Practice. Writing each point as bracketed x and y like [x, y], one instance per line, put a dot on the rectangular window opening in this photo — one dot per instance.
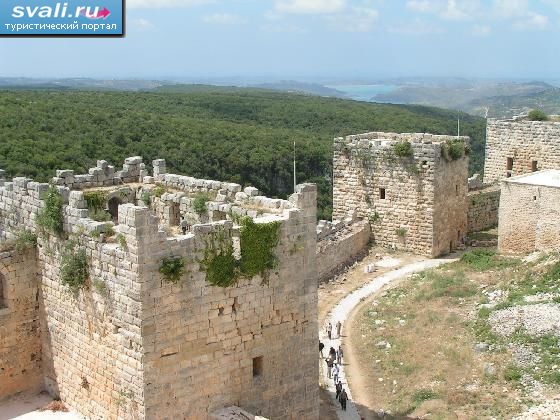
[382, 193]
[534, 166]
[257, 366]
[510, 164]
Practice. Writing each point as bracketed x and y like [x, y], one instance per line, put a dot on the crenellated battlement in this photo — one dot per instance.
[179, 287]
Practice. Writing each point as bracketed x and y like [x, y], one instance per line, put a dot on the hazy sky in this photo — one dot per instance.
[291, 38]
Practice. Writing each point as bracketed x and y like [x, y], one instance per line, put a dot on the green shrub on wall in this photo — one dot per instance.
[454, 150]
[222, 269]
[403, 149]
[172, 269]
[258, 242]
[25, 239]
[537, 115]
[199, 203]
[95, 200]
[50, 218]
[74, 267]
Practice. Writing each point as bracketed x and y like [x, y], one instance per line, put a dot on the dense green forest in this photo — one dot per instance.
[239, 135]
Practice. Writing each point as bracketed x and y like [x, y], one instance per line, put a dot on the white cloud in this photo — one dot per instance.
[534, 21]
[481, 30]
[340, 15]
[355, 19]
[421, 5]
[459, 10]
[142, 24]
[507, 9]
[224, 19]
[160, 4]
[310, 6]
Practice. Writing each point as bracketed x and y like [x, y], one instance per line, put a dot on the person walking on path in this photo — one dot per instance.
[321, 347]
[338, 328]
[329, 367]
[338, 389]
[329, 331]
[332, 354]
[343, 398]
[339, 355]
[335, 372]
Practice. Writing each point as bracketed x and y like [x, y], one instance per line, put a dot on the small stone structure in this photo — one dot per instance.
[483, 205]
[412, 188]
[130, 343]
[529, 213]
[519, 146]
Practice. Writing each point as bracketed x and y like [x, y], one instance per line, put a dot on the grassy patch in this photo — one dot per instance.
[453, 284]
[513, 373]
[535, 283]
[422, 395]
[483, 260]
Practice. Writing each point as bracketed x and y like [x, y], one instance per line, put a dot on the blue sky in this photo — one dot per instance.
[308, 38]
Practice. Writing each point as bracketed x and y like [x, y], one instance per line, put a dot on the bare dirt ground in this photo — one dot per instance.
[330, 293]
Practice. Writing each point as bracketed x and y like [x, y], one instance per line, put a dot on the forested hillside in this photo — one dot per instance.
[240, 135]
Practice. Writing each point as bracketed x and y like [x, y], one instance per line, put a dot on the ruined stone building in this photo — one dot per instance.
[412, 188]
[190, 296]
[519, 146]
[530, 213]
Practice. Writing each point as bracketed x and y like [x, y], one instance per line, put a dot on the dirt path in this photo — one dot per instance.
[341, 312]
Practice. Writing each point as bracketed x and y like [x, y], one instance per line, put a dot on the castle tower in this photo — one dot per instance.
[411, 187]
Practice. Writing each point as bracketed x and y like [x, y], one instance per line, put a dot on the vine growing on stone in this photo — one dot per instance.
[257, 242]
[50, 217]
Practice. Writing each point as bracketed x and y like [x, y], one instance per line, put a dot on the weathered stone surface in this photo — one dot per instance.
[529, 208]
[415, 203]
[528, 145]
[483, 205]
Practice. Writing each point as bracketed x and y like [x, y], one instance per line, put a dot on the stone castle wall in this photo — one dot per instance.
[20, 345]
[128, 345]
[414, 203]
[341, 248]
[526, 143]
[200, 341]
[483, 208]
[528, 218]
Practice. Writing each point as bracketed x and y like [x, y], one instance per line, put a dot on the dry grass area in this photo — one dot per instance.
[426, 347]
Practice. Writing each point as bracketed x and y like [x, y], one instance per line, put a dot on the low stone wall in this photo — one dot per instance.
[483, 208]
[20, 345]
[342, 248]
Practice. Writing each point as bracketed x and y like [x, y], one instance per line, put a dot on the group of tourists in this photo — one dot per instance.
[334, 361]
[330, 328]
